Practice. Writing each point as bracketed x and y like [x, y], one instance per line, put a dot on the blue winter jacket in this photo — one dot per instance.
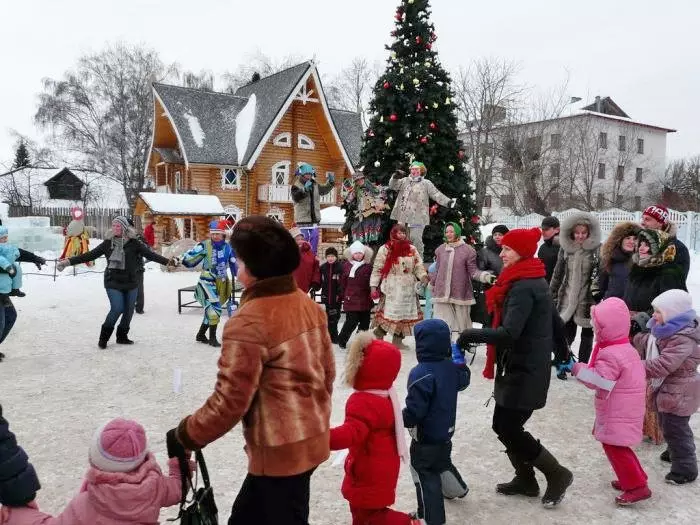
[431, 403]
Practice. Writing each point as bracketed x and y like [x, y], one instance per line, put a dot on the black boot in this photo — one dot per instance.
[558, 478]
[584, 349]
[122, 338]
[212, 336]
[105, 334]
[523, 484]
[202, 334]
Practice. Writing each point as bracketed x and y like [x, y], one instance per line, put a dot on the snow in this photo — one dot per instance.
[244, 126]
[195, 129]
[57, 387]
[182, 204]
[332, 216]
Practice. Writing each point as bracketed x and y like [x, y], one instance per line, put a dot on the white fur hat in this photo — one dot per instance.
[673, 303]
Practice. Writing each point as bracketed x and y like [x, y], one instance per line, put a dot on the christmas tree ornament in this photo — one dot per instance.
[406, 42]
[393, 55]
[381, 119]
[427, 63]
[388, 140]
[416, 81]
[460, 154]
[370, 133]
[424, 139]
[419, 107]
[435, 105]
[401, 71]
[433, 125]
[410, 1]
[452, 167]
[447, 101]
[393, 117]
[387, 85]
[428, 46]
[377, 163]
[433, 37]
[401, 87]
[419, 40]
[475, 219]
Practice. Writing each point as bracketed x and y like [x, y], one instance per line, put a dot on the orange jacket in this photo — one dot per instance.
[276, 373]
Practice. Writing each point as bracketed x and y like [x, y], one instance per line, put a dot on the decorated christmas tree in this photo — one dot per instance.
[414, 119]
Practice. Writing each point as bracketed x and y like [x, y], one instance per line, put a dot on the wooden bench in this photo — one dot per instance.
[194, 303]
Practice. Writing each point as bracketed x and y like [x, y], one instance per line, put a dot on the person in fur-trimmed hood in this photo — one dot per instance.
[573, 275]
[373, 432]
[354, 286]
[659, 218]
[615, 261]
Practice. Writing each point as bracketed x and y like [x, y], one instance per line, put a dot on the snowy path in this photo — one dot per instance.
[57, 387]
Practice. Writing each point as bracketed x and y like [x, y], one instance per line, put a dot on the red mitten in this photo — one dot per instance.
[490, 364]
[375, 295]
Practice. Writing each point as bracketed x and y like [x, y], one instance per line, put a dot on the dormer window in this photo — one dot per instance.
[304, 142]
[283, 140]
[231, 179]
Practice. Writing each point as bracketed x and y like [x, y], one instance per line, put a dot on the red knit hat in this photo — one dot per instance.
[658, 212]
[523, 241]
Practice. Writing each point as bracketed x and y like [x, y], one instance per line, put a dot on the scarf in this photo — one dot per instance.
[530, 268]
[652, 352]
[672, 326]
[398, 420]
[117, 259]
[604, 344]
[355, 266]
[396, 249]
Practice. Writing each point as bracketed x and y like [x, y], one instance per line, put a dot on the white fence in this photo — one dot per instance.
[283, 193]
[688, 223]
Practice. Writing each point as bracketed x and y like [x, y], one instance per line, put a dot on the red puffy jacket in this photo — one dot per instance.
[372, 465]
[308, 273]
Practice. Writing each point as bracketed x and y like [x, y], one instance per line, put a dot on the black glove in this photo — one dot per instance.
[175, 448]
[39, 261]
[639, 323]
[597, 297]
[464, 340]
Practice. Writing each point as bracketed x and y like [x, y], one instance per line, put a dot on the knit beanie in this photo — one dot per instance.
[500, 228]
[305, 169]
[658, 212]
[357, 247]
[673, 303]
[123, 221]
[118, 446]
[523, 241]
[331, 251]
[18, 481]
[266, 248]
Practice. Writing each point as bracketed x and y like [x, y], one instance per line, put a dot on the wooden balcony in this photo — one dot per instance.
[283, 193]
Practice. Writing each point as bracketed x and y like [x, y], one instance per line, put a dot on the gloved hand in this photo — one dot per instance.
[458, 355]
[39, 261]
[453, 202]
[639, 323]
[11, 271]
[307, 185]
[62, 264]
[175, 448]
[375, 294]
[420, 289]
[491, 278]
[175, 261]
[464, 339]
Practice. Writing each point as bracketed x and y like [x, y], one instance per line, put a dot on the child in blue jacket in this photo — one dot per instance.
[430, 415]
[11, 271]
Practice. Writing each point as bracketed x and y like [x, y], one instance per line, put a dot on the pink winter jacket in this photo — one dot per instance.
[108, 498]
[619, 411]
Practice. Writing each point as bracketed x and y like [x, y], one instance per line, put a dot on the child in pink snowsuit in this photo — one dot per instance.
[124, 484]
[617, 374]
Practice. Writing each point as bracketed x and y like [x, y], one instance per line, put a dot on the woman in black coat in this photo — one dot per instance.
[615, 261]
[124, 253]
[520, 344]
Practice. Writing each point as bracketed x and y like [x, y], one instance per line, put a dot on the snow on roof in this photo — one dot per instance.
[195, 129]
[182, 204]
[244, 126]
[332, 216]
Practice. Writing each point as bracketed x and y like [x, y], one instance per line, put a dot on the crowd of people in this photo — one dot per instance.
[638, 350]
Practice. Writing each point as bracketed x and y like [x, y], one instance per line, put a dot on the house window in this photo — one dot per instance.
[620, 173]
[487, 201]
[601, 170]
[555, 172]
[640, 145]
[232, 215]
[304, 142]
[623, 143]
[279, 174]
[556, 140]
[600, 198]
[603, 140]
[178, 180]
[283, 140]
[507, 201]
[230, 179]
[277, 214]
[639, 177]
[637, 203]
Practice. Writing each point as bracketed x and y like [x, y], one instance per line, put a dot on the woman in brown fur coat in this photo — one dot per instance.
[615, 261]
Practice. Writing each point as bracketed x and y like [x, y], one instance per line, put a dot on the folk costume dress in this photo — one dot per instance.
[366, 203]
[77, 238]
[214, 288]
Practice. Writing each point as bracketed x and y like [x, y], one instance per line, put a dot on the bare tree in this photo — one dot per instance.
[256, 63]
[19, 187]
[204, 80]
[351, 89]
[102, 111]
[679, 187]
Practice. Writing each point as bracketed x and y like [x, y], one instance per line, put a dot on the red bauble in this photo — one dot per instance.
[475, 219]
[393, 117]
[419, 107]
[387, 85]
[428, 46]
[433, 209]
[418, 39]
[424, 140]
[433, 37]
[433, 125]
[370, 133]
[460, 154]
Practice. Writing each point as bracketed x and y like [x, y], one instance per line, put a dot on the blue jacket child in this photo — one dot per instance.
[10, 270]
[430, 416]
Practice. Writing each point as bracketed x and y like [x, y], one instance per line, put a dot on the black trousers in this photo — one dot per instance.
[508, 424]
[586, 345]
[352, 320]
[435, 478]
[333, 316]
[267, 500]
[139, 297]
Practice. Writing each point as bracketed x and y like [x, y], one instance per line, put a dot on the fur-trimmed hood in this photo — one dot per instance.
[573, 220]
[368, 254]
[371, 364]
[671, 228]
[614, 240]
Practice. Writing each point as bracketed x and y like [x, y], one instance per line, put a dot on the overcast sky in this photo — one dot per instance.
[643, 53]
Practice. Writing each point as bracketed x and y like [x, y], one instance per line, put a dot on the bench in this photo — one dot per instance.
[194, 303]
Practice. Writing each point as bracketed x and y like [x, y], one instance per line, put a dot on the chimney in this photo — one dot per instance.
[256, 77]
[598, 105]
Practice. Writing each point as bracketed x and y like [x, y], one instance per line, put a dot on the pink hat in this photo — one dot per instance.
[119, 446]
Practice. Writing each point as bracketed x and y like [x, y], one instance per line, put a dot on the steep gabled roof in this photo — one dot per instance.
[65, 173]
[606, 106]
[349, 127]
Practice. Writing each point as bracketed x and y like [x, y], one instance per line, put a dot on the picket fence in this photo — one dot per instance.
[98, 220]
[688, 223]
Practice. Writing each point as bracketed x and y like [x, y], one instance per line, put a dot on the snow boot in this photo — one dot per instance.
[212, 336]
[679, 479]
[558, 478]
[630, 497]
[122, 338]
[105, 334]
[523, 484]
[16, 292]
[585, 348]
[202, 334]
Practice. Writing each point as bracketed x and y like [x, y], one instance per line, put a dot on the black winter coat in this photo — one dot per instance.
[134, 252]
[646, 283]
[331, 294]
[682, 258]
[488, 259]
[524, 344]
[613, 283]
[18, 480]
[549, 255]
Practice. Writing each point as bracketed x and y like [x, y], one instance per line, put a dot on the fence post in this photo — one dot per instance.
[638, 216]
[689, 230]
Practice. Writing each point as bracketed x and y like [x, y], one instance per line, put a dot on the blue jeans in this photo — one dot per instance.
[121, 302]
[8, 316]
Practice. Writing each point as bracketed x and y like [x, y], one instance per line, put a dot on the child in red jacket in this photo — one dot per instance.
[308, 273]
[373, 431]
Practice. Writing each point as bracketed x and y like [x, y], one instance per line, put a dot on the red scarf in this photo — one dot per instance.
[531, 268]
[396, 249]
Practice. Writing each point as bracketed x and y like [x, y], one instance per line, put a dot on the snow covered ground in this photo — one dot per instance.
[57, 387]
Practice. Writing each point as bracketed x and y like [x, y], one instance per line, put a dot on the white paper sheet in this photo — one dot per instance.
[589, 376]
